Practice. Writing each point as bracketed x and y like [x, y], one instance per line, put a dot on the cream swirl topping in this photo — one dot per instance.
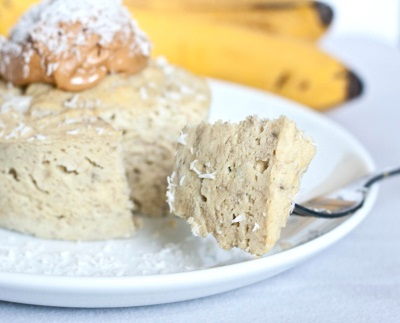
[73, 44]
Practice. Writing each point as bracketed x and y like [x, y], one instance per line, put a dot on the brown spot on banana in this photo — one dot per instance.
[355, 86]
[325, 13]
[282, 80]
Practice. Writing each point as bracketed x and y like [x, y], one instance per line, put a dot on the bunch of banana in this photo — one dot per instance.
[269, 44]
[293, 68]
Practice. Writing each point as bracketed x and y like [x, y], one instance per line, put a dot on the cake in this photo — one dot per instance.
[149, 108]
[238, 181]
[88, 121]
[62, 177]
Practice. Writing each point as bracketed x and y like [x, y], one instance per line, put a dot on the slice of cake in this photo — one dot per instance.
[149, 108]
[62, 177]
[238, 181]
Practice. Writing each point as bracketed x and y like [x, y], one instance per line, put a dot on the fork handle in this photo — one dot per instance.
[380, 176]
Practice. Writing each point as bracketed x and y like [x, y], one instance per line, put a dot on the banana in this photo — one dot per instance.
[10, 11]
[301, 19]
[207, 4]
[308, 20]
[292, 68]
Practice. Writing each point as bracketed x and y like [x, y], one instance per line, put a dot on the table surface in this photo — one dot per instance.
[356, 280]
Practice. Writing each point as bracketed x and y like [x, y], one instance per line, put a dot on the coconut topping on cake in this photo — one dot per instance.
[73, 44]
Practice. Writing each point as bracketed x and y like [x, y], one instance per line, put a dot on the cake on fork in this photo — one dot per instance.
[238, 181]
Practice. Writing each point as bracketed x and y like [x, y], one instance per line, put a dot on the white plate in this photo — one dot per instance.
[164, 262]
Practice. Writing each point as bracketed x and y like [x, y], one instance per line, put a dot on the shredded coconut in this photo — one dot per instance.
[71, 121]
[19, 131]
[186, 90]
[89, 104]
[239, 218]
[193, 167]
[15, 103]
[173, 96]
[200, 174]
[201, 97]
[208, 175]
[25, 130]
[51, 68]
[161, 61]
[152, 85]
[182, 180]
[37, 137]
[256, 227]
[40, 113]
[71, 103]
[171, 191]
[143, 93]
[75, 103]
[168, 69]
[194, 226]
[157, 249]
[182, 138]
[73, 132]
[25, 71]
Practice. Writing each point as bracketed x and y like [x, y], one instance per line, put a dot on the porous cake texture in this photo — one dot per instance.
[238, 181]
[62, 177]
[149, 108]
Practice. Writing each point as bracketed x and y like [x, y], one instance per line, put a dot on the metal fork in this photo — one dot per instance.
[330, 208]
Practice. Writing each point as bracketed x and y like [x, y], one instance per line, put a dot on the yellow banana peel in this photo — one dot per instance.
[10, 11]
[298, 18]
[302, 21]
[309, 20]
[208, 5]
[292, 68]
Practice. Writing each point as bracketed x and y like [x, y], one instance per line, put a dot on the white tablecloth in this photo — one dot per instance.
[356, 280]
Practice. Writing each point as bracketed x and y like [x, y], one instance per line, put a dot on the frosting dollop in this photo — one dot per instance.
[73, 44]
